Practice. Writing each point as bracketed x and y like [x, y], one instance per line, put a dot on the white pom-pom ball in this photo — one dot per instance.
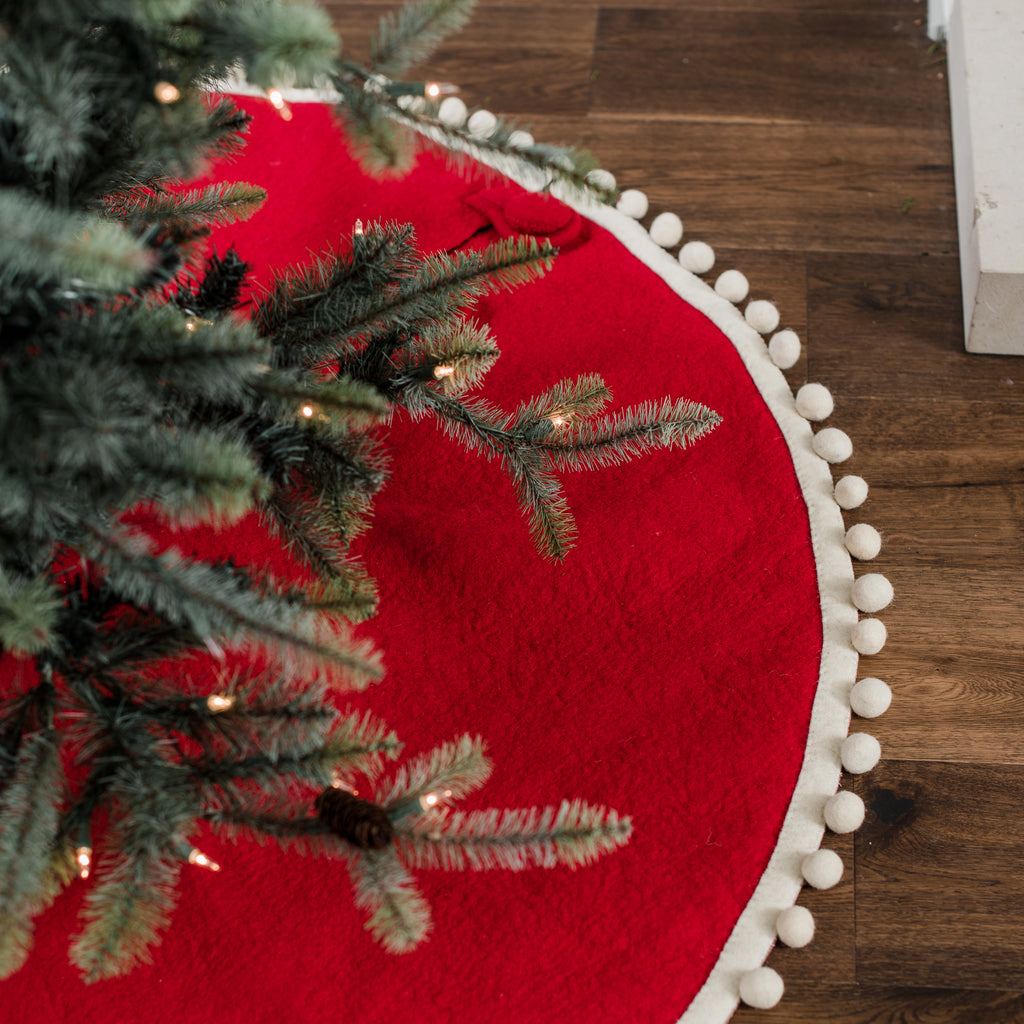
[860, 753]
[814, 402]
[667, 230]
[633, 203]
[413, 104]
[732, 285]
[784, 348]
[872, 592]
[863, 541]
[832, 444]
[868, 636]
[822, 869]
[601, 178]
[844, 812]
[520, 139]
[762, 316]
[452, 112]
[870, 697]
[795, 927]
[697, 257]
[762, 988]
[482, 123]
[851, 492]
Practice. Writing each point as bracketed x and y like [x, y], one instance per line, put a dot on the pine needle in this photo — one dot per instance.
[399, 915]
[574, 834]
[412, 34]
[455, 769]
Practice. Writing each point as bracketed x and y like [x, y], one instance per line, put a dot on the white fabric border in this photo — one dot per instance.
[754, 934]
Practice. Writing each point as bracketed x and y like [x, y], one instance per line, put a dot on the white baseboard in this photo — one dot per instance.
[986, 87]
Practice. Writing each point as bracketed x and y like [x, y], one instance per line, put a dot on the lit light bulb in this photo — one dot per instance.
[218, 702]
[190, 325]
[429, 800]
[357, 228]
[278, 103]
[307, 411]
[558, 420]
[83, 857]
[201, 860]
[436, 89]
[443, 371]
[167, 92]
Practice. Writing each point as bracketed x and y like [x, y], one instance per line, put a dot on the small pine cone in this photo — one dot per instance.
[362, 823]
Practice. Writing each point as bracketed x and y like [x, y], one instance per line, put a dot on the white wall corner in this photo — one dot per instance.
[939, 14]
[986, 89]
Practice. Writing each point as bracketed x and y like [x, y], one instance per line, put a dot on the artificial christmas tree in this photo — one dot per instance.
[147, 688]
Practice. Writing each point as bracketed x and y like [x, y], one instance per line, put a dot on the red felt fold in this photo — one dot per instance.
[666, 668]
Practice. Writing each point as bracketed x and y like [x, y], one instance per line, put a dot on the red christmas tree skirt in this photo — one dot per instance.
[689, 664]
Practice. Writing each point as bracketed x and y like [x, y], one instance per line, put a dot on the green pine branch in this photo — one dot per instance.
[574, 834]
[453, 770]
[399, 916]
[411, 35]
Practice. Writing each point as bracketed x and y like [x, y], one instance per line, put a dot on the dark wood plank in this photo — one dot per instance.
[803, 188]
[825, 65]
[962, 527]
[940, 893]
[806, 1002]
[501, 60]
[901, 317]
[931, 442]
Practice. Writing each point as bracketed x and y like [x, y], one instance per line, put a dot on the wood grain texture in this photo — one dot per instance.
[808, 142]
[936, 889]
[763, 64]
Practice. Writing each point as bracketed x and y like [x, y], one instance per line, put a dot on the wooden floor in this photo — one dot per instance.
[808, 141]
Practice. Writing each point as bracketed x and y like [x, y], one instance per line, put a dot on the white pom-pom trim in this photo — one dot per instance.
[762, 988]
[633, 203]
[762, 316]
[851, 492]
[832, 444]
[521, 139]
[814, 402]
[870, 697]
[452, 112]
[697, 257]
[784, 349]
[413, 104]
[863, 541]
[872, 592]
[666, 230]
[601, 178]
[860, 753]
[822, 869]
[482, 123]
[732, 285]
[844, 812]
[869, 636]
[795, 927]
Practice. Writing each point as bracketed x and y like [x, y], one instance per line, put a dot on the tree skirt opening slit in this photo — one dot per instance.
[689, 663]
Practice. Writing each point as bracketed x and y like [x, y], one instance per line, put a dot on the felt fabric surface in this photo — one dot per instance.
[667, 668]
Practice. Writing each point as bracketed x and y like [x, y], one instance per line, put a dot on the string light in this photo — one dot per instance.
[357, 228]
[443, 371]
[190, 325]
[218, 702]
[429, 800]
[558, 420]
[437, 89]
[83, 857]
[202, 861]
[167, 92]
[278, 103]
[307, 411]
